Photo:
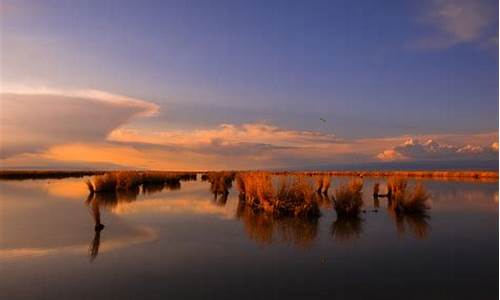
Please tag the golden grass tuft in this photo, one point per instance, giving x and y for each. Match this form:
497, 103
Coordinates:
323, 184
348, 198
151, 181
405, 199
290, 196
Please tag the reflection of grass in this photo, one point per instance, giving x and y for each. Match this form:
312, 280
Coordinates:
346, 229
291, 196
417, 223
407, 207
347, 199
131, 180
265, 228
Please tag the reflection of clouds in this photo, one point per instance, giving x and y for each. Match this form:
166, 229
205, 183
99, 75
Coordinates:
72, 189
141, 235
172, 206
460, 199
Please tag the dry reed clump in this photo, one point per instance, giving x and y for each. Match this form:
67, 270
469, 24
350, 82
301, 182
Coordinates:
220, 182
105, 183
112, 182
322, 184
292, 196
407, 200
376, 188
347, 199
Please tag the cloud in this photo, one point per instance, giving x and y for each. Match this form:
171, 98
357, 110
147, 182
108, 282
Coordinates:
35, 119
414, 150
45, 128
228, 134
459, 21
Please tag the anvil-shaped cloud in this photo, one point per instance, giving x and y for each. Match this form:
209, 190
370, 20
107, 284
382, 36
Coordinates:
48, 128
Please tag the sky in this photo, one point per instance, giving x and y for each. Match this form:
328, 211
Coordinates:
194, 85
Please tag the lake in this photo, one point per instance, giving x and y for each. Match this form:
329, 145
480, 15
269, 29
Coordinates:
181, 243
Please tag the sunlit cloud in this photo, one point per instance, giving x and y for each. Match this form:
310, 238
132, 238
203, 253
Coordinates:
34, 119
414, 149
46, 128
459, 21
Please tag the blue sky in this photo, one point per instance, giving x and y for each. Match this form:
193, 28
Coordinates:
371, 69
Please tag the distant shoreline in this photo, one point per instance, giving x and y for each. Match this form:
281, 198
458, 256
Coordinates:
59, 174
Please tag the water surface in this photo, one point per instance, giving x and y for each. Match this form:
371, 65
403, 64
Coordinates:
181, 243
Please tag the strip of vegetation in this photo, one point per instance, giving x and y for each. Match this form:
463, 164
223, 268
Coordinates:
34, 174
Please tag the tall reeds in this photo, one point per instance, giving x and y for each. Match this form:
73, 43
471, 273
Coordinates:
405, 199
322, 184
290, 196
151, 181
348, 198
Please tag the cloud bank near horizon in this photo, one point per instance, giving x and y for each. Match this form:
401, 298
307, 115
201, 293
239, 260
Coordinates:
48, 128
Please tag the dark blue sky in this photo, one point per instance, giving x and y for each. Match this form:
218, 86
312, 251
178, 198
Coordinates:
370, 68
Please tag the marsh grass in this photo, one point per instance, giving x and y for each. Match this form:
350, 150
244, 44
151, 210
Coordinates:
376, 188
42, 174
348, 198
151, 181
220, 183
407, 199
478, 174
323, 184
286, 196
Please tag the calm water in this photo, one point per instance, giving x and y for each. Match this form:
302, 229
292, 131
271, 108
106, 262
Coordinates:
182, 244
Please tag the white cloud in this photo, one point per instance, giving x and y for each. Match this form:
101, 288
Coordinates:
414, 150
35, 119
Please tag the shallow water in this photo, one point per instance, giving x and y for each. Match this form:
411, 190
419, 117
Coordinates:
182, 244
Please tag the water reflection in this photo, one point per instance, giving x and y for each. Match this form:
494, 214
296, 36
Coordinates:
416, 223
157, 187
323, 201
265, 228
109, 200
220, 184
346, 229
